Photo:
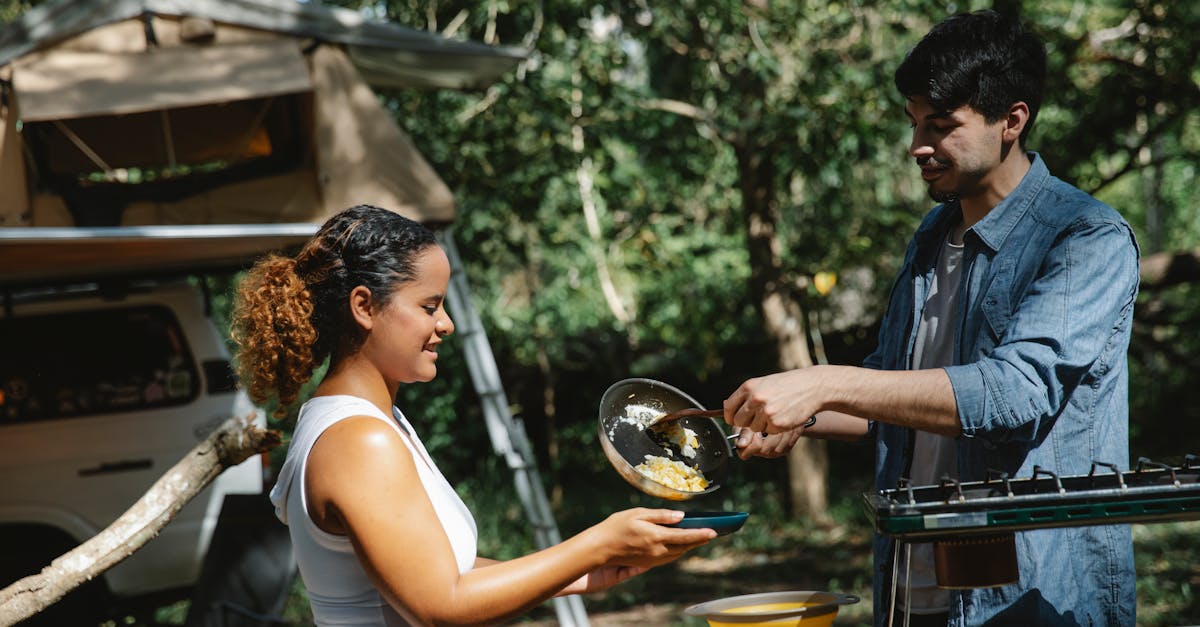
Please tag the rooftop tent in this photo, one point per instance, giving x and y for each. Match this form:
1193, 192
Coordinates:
153, 112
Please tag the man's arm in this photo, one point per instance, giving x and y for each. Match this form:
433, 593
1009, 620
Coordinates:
1042, 357
920, 399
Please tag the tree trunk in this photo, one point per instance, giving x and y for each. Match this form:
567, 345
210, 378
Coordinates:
1152, 180
235, 441
783, 320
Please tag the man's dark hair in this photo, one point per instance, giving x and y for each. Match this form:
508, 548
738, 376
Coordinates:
980, 59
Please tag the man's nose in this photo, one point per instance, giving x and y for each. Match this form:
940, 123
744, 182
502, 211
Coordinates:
919, 146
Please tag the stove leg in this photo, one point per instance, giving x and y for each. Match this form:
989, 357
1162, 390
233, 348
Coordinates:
895, 577
907, 582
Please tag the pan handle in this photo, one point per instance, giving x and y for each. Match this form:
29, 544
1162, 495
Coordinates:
733, 436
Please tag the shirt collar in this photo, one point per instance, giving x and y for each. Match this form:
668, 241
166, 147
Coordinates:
996, 226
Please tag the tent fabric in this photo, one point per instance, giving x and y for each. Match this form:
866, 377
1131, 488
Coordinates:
14, 196
286, 198
38, 255
397, 56
362, 156
67, 84
106, 85
384, 67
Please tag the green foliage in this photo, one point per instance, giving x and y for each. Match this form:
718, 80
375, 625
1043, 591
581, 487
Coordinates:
12, 9
807, 87
1168, 581
666, 186
660, 106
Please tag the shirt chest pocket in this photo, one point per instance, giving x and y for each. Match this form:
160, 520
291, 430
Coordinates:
997, 302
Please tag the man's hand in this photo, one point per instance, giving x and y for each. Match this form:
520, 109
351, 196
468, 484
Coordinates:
754, 444
777, 403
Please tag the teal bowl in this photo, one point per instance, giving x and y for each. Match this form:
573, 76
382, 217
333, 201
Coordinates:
724, 523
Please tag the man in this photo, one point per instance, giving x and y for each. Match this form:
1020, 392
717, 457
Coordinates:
1003, 345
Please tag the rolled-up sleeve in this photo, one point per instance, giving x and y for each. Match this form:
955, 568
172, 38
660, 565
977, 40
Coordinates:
1065, 329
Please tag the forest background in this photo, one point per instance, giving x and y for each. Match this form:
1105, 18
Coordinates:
703, 191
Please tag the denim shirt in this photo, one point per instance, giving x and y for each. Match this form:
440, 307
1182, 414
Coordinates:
1040, 377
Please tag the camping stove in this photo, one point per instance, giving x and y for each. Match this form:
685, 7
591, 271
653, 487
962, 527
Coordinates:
971, 524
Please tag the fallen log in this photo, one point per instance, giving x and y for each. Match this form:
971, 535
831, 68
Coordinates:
233, 442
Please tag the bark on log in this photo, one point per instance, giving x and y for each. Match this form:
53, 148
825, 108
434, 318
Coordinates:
234, 442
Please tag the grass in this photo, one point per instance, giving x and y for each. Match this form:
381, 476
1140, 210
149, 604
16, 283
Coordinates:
1168, 573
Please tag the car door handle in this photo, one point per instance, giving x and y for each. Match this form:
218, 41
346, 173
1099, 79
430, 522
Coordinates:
125, 465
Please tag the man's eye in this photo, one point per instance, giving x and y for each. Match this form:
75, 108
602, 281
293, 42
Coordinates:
430, 309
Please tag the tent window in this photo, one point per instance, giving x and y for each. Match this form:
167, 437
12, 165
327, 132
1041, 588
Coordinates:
99, 164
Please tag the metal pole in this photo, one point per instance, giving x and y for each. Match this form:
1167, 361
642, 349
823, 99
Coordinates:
506, 433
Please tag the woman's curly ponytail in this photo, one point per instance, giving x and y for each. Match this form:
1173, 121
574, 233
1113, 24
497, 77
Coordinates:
290, 314
272, 326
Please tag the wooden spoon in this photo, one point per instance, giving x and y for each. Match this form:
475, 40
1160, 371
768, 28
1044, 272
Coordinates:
684, 413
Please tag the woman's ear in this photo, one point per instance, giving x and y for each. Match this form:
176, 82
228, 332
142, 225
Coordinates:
360, 304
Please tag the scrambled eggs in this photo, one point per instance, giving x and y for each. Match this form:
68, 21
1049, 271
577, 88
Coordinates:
673, 474
683, 438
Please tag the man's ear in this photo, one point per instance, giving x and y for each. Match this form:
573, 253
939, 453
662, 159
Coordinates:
361, 307
1015, 121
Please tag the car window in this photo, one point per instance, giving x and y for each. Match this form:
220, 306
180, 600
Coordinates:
93, 362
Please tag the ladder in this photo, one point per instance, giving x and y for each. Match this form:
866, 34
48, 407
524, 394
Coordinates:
506, 433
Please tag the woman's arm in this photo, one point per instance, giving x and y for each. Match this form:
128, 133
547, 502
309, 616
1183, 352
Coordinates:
362, 482
598, 579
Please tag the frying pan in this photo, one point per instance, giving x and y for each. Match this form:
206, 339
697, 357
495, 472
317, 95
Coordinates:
625, 445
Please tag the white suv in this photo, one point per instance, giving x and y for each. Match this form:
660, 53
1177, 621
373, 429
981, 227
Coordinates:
102, 389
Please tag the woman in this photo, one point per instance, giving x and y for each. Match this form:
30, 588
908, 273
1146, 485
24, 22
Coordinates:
379, 535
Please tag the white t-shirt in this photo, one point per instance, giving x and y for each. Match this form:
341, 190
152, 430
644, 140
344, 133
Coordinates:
934, 456
339, 589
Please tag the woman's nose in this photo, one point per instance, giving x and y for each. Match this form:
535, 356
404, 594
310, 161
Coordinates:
444, 326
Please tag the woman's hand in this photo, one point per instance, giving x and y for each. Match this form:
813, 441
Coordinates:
638, 537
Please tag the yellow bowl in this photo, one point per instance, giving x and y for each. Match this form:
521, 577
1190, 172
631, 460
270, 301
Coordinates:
773, 609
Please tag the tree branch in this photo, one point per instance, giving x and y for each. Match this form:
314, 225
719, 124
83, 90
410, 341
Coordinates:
235, 441
687, 110
1166, 269
1097, 40
1132, 164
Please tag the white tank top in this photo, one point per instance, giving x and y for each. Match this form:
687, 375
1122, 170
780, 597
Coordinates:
339, 589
